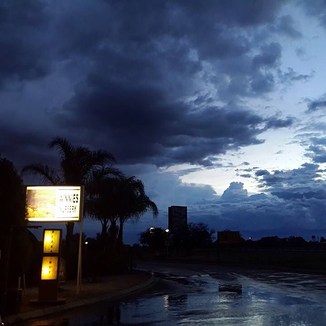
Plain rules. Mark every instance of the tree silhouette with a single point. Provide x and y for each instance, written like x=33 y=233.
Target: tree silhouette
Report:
x=115 y=200
x=12 y=222
x=102 y=202
x=12 y=197
x=77 y=167
x=133 y=202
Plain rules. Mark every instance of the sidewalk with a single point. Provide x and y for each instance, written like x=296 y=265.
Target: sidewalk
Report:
x=106 y=288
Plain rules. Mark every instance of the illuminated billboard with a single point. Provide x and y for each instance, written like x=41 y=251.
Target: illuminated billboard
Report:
x=53 y=203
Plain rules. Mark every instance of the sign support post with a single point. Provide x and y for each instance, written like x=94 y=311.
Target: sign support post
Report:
x=79 y=267
x=80 y=245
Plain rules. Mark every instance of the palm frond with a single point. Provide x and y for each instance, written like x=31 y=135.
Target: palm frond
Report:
x=63 y=145
x=45 y=172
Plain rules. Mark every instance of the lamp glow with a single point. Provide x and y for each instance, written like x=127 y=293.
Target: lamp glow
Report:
x=49 y=268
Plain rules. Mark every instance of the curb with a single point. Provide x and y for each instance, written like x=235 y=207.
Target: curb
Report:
x=18 y=318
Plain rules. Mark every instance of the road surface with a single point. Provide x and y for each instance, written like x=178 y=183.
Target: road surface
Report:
x=195 y=294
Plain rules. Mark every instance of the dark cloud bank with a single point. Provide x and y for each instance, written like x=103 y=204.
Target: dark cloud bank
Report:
x=149 y=75
x=292 y=202
x=156 y=83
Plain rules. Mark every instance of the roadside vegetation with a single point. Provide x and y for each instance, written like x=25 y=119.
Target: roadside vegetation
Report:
x=158 y=242
x=110 y=199
x=195 y=244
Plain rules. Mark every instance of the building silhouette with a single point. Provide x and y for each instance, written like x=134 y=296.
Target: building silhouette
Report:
x=177 y=219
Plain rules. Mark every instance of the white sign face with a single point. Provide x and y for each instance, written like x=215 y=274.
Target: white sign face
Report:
x=53 y=203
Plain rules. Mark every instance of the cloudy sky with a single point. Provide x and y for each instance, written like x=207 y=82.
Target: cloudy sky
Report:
x=217 y=105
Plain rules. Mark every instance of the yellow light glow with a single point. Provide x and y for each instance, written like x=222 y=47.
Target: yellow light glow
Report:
x=46 y=271
x=51 y=241
x=47 y=238
x=49 y=268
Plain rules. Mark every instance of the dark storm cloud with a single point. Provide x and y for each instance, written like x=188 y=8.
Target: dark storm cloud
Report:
x=144 y=60
x=290 y=76
x=255 y=213
x=236 y=12
x=148 y=74
x=301 y=189
x=301 y=194
x=317 y=105
x=286 y=26
x=293 y=201
x=274 y=123
x=138 y=123
x=314 y=142
x=318 y=10
x=245 y=175
x=317 y=150
x=269 y=56
x=149 y=41
x=289 y=179
x=260 y=173
x=27 y=144
x=22 y=42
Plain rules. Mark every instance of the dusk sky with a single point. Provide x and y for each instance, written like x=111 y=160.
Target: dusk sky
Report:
x=219 y=105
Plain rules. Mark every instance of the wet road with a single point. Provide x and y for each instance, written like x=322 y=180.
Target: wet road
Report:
x=191 y=294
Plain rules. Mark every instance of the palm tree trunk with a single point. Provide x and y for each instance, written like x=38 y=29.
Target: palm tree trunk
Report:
x=104 y=228
x=113 y=232
x=120 y=234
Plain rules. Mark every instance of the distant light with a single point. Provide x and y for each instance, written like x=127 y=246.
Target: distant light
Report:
x=151 y=229
x=86 y=242
x=167 y=230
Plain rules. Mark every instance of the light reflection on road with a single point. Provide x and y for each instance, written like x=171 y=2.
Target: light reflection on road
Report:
x=208 y=295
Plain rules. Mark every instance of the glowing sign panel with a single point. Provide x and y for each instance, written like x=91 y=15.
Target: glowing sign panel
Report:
x=49 y=268
x=51 y=241
x=53 y=203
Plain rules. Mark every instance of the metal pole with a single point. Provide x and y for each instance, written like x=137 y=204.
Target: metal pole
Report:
x=79 y=267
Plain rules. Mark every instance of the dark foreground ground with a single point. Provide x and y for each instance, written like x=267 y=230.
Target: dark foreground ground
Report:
x=208 y=294
x=105 y=288
x=112 y=288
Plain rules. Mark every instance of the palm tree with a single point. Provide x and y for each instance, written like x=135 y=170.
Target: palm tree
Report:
x=115 y=200
x=78 y=163
x=102 y=201
x=77 y=166
x=133 y=202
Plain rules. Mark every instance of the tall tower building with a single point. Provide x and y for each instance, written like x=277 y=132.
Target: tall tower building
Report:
x=177 y=218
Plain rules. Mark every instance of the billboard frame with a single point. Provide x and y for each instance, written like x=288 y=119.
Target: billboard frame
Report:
x=54 y=203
